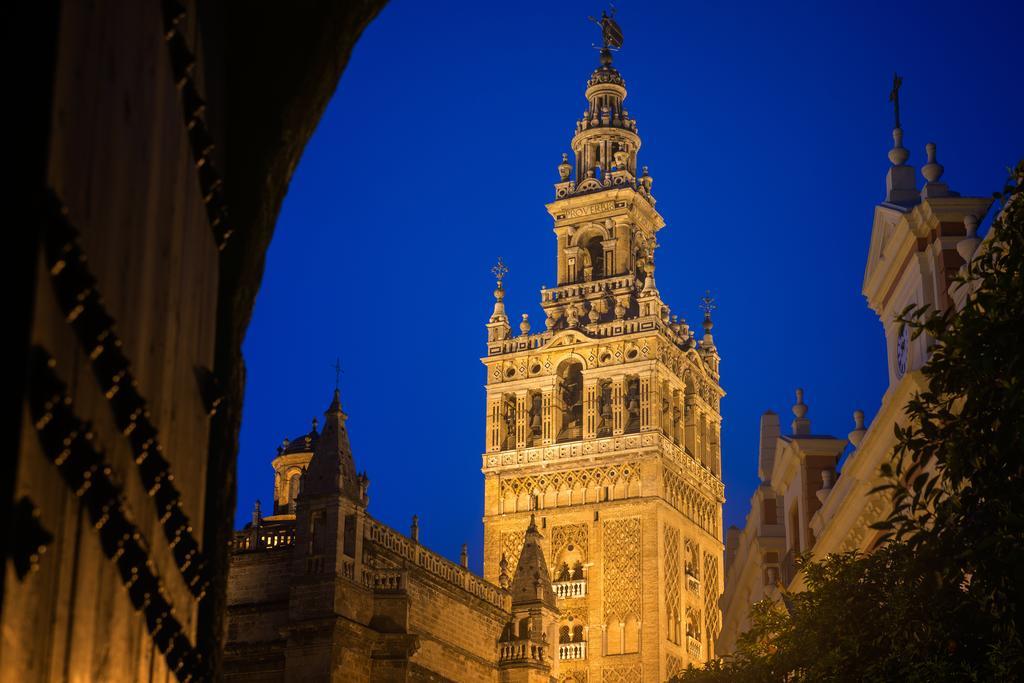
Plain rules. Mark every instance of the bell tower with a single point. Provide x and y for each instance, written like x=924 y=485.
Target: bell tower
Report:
x=605 y=426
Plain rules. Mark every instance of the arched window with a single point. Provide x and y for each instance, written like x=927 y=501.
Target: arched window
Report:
x=563 y=635
x=631 y=635
x=577 y=634
x=593 y=257
x=570 y=400
x=613 y=638
x=524 y=628
x=293 y=490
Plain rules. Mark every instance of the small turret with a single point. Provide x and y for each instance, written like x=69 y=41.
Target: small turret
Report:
x=332 y=469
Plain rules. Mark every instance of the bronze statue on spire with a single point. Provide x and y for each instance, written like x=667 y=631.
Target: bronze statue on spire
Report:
x=611 y=33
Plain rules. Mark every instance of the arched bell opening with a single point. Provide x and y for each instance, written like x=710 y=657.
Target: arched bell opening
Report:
x=570 y=400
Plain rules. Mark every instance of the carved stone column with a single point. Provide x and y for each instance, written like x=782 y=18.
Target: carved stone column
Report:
x=618 y=406
x=650 y=402
x=590 y=407
x=522 y=417
x=547 y=409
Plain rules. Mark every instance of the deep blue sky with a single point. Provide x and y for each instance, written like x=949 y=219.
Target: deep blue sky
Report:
x=766 y=128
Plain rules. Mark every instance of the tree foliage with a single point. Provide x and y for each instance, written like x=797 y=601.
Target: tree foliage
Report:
x=940 y=598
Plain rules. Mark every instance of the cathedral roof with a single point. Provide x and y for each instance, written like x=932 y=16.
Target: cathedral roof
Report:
x=532 y=581
x=332 y=469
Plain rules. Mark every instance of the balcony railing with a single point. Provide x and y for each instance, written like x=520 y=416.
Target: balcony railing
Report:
x=575 y=650
x=692 y=582
x=525 y=650
x=693 y=647
x=570 y=589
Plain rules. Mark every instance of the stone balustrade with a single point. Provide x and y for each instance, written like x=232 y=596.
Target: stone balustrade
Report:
x=575 y=650
x=604 y=286
x=570 y=589
x=434 y=564
x=693 y=583
x=388 y=581
x=521 y=650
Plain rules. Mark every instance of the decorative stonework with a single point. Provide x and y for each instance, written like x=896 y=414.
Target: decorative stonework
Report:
x=691 y=503
x=711 y=614
x=569 y=534
x=622 y=674
x=570 y=480
x=673 y=594
x=622 y=577
x=512 y=546
x=673 y=666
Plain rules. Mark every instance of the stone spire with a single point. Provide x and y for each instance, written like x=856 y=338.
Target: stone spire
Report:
x=900 y=184
x=498 y=327
x=332 y=469
x=532 y=581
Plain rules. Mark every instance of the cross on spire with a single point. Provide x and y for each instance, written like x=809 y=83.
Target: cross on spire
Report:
x=337 y=373
x=894 y=95
x=499 y=270
x=707 y=303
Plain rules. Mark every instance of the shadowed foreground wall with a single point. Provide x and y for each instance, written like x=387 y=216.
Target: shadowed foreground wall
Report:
x=146 y=119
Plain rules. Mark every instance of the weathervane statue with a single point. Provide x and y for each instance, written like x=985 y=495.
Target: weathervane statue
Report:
x=611 y=34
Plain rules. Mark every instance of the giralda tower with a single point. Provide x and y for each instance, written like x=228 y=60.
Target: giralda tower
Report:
x=606 y=425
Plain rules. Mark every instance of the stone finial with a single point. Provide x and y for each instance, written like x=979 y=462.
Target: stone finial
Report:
x=524 y=327
x=932 y=170
x=826 y=485
x=503 y=579
x=564 y=168
x=646 y=181
x=464 y=556
x=414 y=529
x=969 y=244
x=316 y=424
x=801 y=424
x=858 y=432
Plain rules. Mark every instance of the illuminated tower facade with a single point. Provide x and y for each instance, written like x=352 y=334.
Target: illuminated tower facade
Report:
x=606 y=425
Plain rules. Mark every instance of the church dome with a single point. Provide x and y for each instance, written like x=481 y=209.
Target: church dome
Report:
x=304 y=443
x=606 y=74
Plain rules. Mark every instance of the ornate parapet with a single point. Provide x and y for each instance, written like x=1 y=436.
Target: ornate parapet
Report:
x=432 y=563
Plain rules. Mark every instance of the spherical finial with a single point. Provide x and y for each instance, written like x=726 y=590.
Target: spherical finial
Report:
x=898 y=155
x=932 y=171
x=524 y=326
